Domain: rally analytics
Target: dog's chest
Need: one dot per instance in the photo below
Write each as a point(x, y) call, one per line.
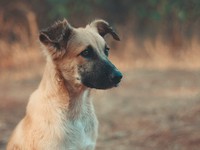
point(81, 134)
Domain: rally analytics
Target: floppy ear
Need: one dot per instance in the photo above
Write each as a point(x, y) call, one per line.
point(55, 38)
point(104, 28)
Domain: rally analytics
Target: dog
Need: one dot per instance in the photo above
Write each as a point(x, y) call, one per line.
point(60, 114)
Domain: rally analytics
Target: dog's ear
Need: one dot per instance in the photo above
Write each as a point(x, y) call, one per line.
point(55, 37)
point(103, 28)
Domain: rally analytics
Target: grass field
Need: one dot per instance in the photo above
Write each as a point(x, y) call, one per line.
point(152, 109)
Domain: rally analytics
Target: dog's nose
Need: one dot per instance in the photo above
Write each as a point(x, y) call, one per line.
point(116, 77)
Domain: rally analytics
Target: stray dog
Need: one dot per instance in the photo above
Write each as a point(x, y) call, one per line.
point(60, 115)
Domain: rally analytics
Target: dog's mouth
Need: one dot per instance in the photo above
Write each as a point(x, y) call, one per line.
point(101, 87)
point(116, 85)
point(102, 83)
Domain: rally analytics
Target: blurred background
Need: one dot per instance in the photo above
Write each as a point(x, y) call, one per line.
point(157, 105)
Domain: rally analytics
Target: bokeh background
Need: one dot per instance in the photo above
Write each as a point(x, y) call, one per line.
point(157, 105)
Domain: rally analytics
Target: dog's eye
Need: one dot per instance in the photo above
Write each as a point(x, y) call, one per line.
point(106, 51)
point(87, 53)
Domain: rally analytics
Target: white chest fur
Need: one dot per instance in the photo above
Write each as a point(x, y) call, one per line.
point(82, 129)
point(81, 135)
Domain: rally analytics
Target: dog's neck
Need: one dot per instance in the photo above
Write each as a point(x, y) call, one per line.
point(69, 94)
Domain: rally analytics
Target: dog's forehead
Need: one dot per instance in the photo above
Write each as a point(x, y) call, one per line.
point(87, 36)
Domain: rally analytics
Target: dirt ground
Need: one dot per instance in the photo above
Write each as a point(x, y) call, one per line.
point(150, 110)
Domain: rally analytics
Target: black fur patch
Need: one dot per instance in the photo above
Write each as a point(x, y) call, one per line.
point(97, 73)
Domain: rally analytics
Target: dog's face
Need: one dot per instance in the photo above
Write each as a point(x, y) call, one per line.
point(81, 54)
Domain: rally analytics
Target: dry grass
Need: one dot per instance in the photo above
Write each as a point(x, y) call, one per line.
point(151, 55)
point(21, 63)
point(158, 53)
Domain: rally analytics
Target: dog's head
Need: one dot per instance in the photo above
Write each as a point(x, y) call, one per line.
point(81, 54)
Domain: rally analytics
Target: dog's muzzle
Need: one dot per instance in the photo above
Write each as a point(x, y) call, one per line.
point(102, 75)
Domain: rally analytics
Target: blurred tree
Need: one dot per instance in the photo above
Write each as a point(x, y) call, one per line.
point(143, 17)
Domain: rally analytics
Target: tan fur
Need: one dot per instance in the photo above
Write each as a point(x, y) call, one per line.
point(60, 114)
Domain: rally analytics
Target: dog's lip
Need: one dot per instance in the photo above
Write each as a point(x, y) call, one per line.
point(103, 88)
point(116, 85)
point(108, 85)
